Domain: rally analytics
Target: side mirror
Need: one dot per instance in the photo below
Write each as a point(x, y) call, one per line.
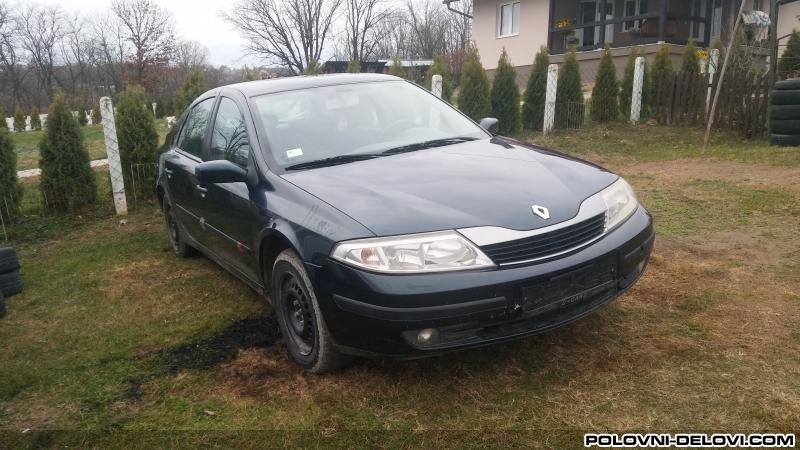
point(219, 171)
point(490, 124)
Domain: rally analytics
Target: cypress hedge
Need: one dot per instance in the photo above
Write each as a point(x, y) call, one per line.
point(789, 64)
point(660, 70)
point(137, 136)
point(194, 84)
point(67, 181)
point(505, 97)
point(353, 66)
point(97, 118)
point(19, 120)
point(36, 121)
point(440, 68)
point(691, 63)
point(605, 94)
point(10, 190)
point(536, 92)
point(626, 88)
point(397, 69)
point(473, 99)
point(569, 95)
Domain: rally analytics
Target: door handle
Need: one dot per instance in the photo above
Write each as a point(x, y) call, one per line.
point(201, 189)
point(168, 171)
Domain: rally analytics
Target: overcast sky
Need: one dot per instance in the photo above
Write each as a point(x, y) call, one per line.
point(196, 20)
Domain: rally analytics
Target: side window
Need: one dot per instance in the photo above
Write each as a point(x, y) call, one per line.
point(229, 138)
point(191, 139)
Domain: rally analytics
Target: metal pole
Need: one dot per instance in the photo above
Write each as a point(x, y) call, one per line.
point(550, 99)
point(721, 78)
point(636, 95)
point(114, 163)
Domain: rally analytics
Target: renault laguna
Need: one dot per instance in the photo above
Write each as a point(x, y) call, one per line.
point(380, 221)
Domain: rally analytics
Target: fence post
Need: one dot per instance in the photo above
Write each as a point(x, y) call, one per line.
point(436, 85)
point(114, 163)
point(636, 95)
point(713, 60)
point(550, 99)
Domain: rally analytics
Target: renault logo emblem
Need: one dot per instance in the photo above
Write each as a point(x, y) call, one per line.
point(541, 211)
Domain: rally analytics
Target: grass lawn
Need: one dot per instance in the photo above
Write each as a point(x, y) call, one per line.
point(27, 144)
point(115, 338)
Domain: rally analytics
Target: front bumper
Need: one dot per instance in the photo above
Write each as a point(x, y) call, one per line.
point(379, 314)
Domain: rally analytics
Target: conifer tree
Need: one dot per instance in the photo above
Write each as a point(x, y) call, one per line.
point(505, 97)
point(440, 68)
point(313, 68)
point(194, 84)
point(691, 63)
point(536, 92)
point(67, 181)
point(789, 64)
point(82, 120)
point(36, 121)
point(354, 66)
point(10, 190)
point(97, 118)
point(473, 99)
point(396, 68)
point(136, 134)
point(569, 94)
point(19, 120)
point(660, 70)
point(605, 94)
point(626, 88)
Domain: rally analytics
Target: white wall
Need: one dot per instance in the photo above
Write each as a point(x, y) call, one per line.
point(787, 19)
point(534, 18)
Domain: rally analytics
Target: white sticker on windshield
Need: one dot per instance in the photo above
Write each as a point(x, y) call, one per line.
point(294, 153)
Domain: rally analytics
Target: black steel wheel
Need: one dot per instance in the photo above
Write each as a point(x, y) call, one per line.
point(300, 320)
point(176, 241)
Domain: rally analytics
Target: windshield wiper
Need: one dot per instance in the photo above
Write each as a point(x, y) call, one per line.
point(428, 144)
point(332, 161)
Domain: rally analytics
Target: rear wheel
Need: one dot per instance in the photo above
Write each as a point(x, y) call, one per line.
point(176, 241)
point(299, 317)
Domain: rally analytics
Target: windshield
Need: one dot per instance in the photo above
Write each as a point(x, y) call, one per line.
point(350, 122)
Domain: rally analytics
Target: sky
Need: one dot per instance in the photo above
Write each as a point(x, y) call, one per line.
point(195, 20)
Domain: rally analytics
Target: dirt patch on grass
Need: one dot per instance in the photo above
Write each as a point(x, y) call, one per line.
point(760, 176)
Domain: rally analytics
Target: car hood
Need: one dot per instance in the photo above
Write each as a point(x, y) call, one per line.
point(490, 182)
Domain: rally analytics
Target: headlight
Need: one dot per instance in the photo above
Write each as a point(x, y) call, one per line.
point(416, 253)
point(620, 203)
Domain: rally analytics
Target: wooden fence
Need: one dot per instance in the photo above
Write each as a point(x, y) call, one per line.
point(681, 99)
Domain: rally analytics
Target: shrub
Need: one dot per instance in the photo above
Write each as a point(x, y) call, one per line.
point(789, 64)
point(137, 136)
point(691, 63)
point(193, 85)
point(605, 94)
point(536, 92)
point(67, 181)
point(473, 99)
point(97, 118)
point(353, 66)
point(36, 121)
point(397, 69)
point(10, 190)
point(312, 68)
point(82, 120)
point(741, 59)
point(626, 88)
point(569, 95)
point(505, 97)
point(440, 68)
point(660, 70)
point(19, 120)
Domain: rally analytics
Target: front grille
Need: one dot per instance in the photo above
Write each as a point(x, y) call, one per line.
point(547, 244)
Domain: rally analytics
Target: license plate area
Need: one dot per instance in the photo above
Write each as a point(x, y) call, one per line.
point(569, 288)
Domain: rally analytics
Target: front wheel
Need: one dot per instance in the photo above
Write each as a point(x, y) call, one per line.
point(299, 317)
point(176, 241)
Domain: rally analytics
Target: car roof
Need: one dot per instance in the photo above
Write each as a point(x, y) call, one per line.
point(261, 87)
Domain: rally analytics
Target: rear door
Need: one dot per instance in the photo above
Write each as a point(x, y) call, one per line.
point(179, 166)
point(231, 217)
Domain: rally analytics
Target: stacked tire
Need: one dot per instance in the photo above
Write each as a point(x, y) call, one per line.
point(10, 281)
point(784, 113)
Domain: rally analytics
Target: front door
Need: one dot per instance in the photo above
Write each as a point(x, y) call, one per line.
point(231, 218)
point(179, 166)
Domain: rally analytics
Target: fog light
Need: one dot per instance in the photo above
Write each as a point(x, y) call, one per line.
point(427, 336)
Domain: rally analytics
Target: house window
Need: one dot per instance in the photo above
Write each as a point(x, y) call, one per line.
point(634, 8)
point(758, 5)
point(508, 20)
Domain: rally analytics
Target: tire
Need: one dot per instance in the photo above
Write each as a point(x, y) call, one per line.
point(8, 260)
point(787, 85)
point(784, 112)
point(785, 97)
point(174, 232)
point(10, 284)
point(788, 126)
point(785, 140)
point(299, 317)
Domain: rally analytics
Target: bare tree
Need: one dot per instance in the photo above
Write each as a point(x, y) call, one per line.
point(190, 54)
point(361, 20)
point(288, 32)
point(148, 28)
point(78, 55)
point(40, 29)
point(13, 74)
